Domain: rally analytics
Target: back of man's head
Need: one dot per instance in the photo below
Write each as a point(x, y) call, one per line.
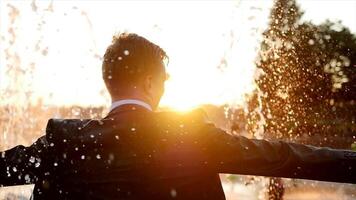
point(128, 59)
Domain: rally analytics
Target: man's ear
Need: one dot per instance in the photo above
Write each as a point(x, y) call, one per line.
point(147, 85)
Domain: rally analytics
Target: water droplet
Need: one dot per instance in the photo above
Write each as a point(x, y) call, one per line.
point(173, 193)
point(111, 156)
point(311, 42)
point(32, 159)
point(27, 178)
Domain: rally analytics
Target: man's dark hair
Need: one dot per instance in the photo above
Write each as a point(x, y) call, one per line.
point(128, 58)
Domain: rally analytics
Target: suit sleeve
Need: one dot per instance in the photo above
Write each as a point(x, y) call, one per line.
point(240, 155)
point(22, 165)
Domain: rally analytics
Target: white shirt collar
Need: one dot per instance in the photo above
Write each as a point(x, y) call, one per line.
point(118, 103)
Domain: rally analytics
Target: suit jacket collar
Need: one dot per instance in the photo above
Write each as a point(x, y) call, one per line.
point(127, 108)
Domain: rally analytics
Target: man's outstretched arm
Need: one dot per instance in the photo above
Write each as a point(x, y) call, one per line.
point(240, 155)
point(21, 165)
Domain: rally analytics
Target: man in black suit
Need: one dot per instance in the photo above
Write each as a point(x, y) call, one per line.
point(136, 153)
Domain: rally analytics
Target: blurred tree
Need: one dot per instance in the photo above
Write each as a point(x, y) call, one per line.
point(308, 78)
point(306, 88)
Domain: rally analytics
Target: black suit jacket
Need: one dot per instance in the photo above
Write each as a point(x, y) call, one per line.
point(136, 154)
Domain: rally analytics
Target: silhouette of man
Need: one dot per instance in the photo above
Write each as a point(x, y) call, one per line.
point(136, 153)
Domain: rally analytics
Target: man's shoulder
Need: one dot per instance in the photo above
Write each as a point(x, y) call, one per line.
point(196, 116)
point(56, 122)
point(66, 125)
point(59, 129)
